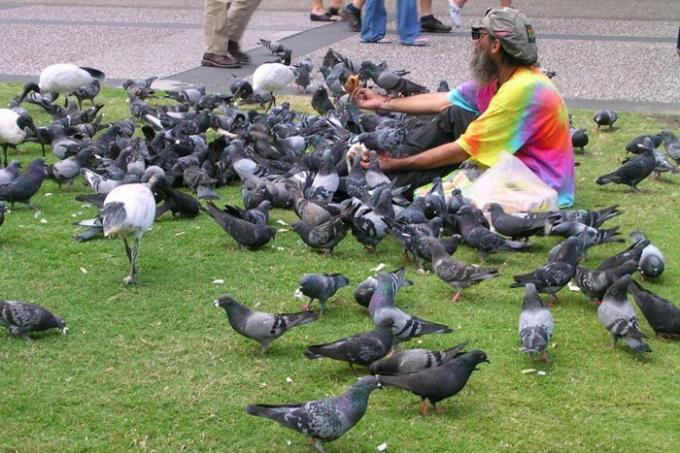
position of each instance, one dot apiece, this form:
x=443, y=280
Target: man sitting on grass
x=510, y=105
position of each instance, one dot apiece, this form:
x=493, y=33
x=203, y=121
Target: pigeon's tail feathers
x=429, y=327
x=113, y=217
x=206, y=193
x=637, y=344
x=606, y=179
x=607, y=213
x=274, y=412
x=96, y=73
x=396, y=380
x=311, y=355
x=298, y=319
x=510, y=246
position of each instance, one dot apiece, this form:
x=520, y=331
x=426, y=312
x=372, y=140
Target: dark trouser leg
x=446, y=127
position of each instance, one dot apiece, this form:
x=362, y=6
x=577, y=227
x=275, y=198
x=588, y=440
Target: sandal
x=325, y=17
x=420, y=41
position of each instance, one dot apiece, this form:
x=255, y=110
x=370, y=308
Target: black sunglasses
x=477, y=33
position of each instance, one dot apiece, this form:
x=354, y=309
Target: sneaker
x=235, y=51
x=456, y=14
x=352, y=17
x=219, y=61
x=433, y=25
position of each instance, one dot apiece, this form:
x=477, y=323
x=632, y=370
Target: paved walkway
x=607, y=53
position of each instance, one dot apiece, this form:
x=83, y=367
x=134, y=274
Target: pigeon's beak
x=64, y=331
x=216, y=303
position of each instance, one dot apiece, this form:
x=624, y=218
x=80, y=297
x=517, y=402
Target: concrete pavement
x=611, y=53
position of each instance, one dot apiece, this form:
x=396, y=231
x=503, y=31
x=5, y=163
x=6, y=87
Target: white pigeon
x=272, y=77
x=128, y=212
x=63, y=78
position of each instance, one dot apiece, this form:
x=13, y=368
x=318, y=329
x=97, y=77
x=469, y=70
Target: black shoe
x=235, y=51
x=433, y=25
x=352, y=17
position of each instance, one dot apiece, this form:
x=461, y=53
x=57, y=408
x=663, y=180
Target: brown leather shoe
x=235, y=51
x=220, y=61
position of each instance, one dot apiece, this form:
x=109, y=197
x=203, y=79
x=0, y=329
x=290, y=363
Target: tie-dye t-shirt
x=527, y=117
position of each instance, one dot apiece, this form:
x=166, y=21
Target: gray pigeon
x=364, y=292
x=594, y=283
x=322, y=420
x=436, y=384
x=605, y=118
x=259, y=326
x=321, y=287
x=652, y=262
x=618, y=316
x=249, y=235
x=395, y=84
x=579, y=138
x=535, y=324
x=25, y=185
x=414, y=360
x=662, y=315
x=405, y=326
x=632, y=172
x=323, y=237
x=10, y=173
x=515, y=227
x=22, y=317
x=456, y=273
x=361, y=349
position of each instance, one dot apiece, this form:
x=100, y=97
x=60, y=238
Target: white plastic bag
x=513, y=185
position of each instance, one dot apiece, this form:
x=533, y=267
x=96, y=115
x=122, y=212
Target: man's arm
x=440, y=156
x=418, y=104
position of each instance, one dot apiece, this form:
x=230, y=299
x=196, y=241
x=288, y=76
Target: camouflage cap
x=514, y=31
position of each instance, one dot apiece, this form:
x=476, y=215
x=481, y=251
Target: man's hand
x=387, y=164
x=367, y=99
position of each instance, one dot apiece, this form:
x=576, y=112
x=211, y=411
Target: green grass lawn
x=157, y=367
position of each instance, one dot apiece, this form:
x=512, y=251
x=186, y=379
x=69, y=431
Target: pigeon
x=535, y=324
x=414, y=213
x=585, y=216
x=481, y=238
x=437, y=384
x=322, y=287
x=364, y=292
x=443, y=87
x=259, y=326
x=633, y=252
x=632, y=172
x=395, y=84
x=128, y=212
x=515, y=227
x=10, y=172
x=246, y=234
x=323, y=237
x=65, y=171
x=179, y=203
x=321, y=103
x=89, y=92
x=405, y=326
x=99, y=183
x=457, y=273
x=414, y=360
x=326, y=181
x=322, y=420
x=560, y=269
x=579, y=138
x=361, y=349
x=595, y=283
x=618, y=316
x=642, y=142
x=258, y=215
x=662, y=315
x=25, y=185
x=22, y=318
x=605, y=118
x=651, y=262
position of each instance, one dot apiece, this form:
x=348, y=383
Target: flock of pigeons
x=324, y=167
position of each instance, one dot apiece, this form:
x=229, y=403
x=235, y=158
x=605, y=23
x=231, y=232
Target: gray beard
x=483, y=68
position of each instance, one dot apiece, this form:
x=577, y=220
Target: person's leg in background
x=408, y=25
x=429, y=23
x=216, y=35
x=456, y=7
x=374, y=22
x=239, y=15
x=351, y=13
